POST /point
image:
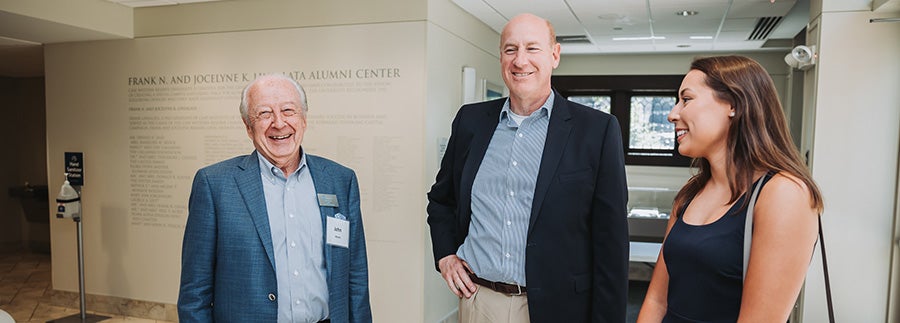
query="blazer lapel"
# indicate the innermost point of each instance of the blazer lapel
(481, 138)
(557, 136)
(322, 180)
(250, 185)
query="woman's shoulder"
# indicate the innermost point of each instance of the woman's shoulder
(786, 183)
(784, 190)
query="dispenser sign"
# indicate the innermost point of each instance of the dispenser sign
(75, 168)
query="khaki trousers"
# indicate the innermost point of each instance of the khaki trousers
(488, 306)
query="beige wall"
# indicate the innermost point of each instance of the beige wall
(856, 118)
(370, 124)
(237, 15)
(56, 20)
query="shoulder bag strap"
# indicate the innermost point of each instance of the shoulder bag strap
(748, 237)
(825, 271)
(748, 227)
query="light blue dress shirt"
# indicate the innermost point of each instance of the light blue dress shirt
(502, 195)
(296, 226)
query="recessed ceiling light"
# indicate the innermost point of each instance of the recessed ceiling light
(701, 37)
(639, 38)
(685, 13)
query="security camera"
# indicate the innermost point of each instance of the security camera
(801, 57)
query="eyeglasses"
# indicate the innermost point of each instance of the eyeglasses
(269, 115)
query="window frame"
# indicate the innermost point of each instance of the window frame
(621, 88)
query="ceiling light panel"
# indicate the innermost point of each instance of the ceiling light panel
(690, 24)
(598, 8)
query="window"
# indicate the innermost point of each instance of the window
(641, 104)
(598, 102)
(650, 127)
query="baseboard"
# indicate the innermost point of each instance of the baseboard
(115, 305)
(452, 317)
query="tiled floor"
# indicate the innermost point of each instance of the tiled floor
(24, 282)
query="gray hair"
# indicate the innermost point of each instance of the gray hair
(244, 104)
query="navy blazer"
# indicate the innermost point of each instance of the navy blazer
(576, 254)
(228, 268)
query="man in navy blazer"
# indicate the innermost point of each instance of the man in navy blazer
(276, 235)
(527, 212)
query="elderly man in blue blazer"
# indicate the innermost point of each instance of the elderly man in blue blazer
(274, 236)
(527, 212)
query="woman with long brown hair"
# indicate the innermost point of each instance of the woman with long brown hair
(729, 119)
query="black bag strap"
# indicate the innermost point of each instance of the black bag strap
(825, 271)
(748, 235)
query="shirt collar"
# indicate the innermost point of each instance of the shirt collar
(274, 172)
(547, 106)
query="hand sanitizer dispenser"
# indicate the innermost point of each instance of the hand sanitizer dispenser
(68, 203)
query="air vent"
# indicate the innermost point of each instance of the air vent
(573, 39)
(764, 27)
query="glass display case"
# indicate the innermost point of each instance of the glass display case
(648, 212)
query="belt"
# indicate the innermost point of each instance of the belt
(503, 288)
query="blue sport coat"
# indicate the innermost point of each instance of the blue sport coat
(228, 268)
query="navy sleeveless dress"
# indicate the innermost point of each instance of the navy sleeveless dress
(705, 266)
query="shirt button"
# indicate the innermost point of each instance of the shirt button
(289, 189)
(511, 193)
(515, 163)
(507, 255)
(508, 222)
(520, 135)
(296, 273)
(293, 244)
(297, 302)
(291, 215)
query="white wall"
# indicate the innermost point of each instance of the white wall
(454, 39)
(854, 158)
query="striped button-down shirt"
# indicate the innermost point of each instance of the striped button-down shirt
(296, 226)
(502, 195)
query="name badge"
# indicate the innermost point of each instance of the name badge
(328, 200)
(337, 231)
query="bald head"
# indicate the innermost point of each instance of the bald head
(528, 54)
(527, 18)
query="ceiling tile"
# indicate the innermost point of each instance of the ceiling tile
(602, 20)
(759, 8)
